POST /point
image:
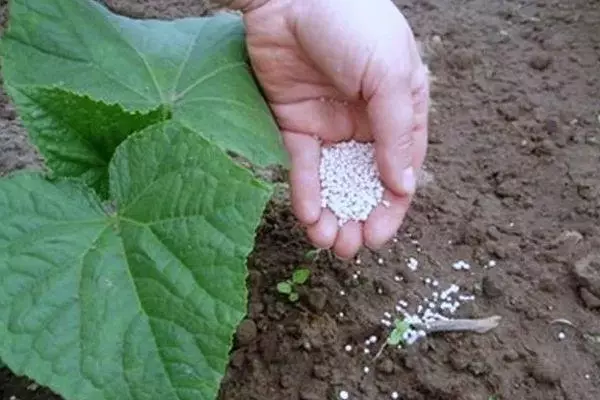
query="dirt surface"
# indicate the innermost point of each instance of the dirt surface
(514, 154)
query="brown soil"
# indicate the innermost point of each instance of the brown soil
(514, 153)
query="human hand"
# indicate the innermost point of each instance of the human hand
(334, 70)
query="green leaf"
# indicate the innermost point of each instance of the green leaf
(139, 303)
(300, 276)
(77, 135)
(193, 70)
(395, 337)
(294, 297)
(284, 287)
(312, 255)
(397, 334)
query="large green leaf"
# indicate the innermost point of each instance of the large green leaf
(193, 70)
(138, 300)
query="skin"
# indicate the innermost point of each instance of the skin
(334, 70)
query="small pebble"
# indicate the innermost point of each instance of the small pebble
(342, 293)
(387, 315)
(587, 376)
(373, 339)
(344, 395)
(355, 276)
(379, 290)
(397, 278)
(348, 348)
(358, 261)
(561, 335)
(395, 395)
(380, 261)
(367, 351)
(341, 314)
(366, 370)
(435, 283)
(492, 263)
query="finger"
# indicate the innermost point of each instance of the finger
(420, 99)
(383, 222)
(391, 114)
(304, 151)
(349, 240)
(324, 232)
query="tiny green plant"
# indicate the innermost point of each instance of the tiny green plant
(123, 264)
(312, 255)
(397, 334)
(288, 287)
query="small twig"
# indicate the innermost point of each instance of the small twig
(474, 325)
(482, 325)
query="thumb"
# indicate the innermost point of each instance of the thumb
(391, 113)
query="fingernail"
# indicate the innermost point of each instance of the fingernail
(409, 181)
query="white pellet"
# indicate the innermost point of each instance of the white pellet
(373, 339)
(387, 315)
(348, 348)
(367, 351)
(492, 263)
(350, 183)
(344, 395)
(397, 278)
(412, 264)
(561, 335)
(380, 261)
(395, 395)
(366, 370)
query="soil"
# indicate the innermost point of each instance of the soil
(514, 154)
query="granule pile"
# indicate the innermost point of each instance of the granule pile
(350, 184)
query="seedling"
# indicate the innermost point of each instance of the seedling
(312, 255)
(288, 287)
(397, 335)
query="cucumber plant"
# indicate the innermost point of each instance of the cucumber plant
(123, 265)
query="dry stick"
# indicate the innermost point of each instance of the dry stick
(481, 325)
(474, 325)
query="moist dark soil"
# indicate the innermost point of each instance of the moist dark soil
(513, 161)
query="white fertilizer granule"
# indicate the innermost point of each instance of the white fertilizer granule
(350, 184)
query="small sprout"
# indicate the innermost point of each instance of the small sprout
(300, 276)
(288, 287)
(397, 334)
(294, 297)
(312, 255)
(285, 288)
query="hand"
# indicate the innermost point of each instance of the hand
(334, 70)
